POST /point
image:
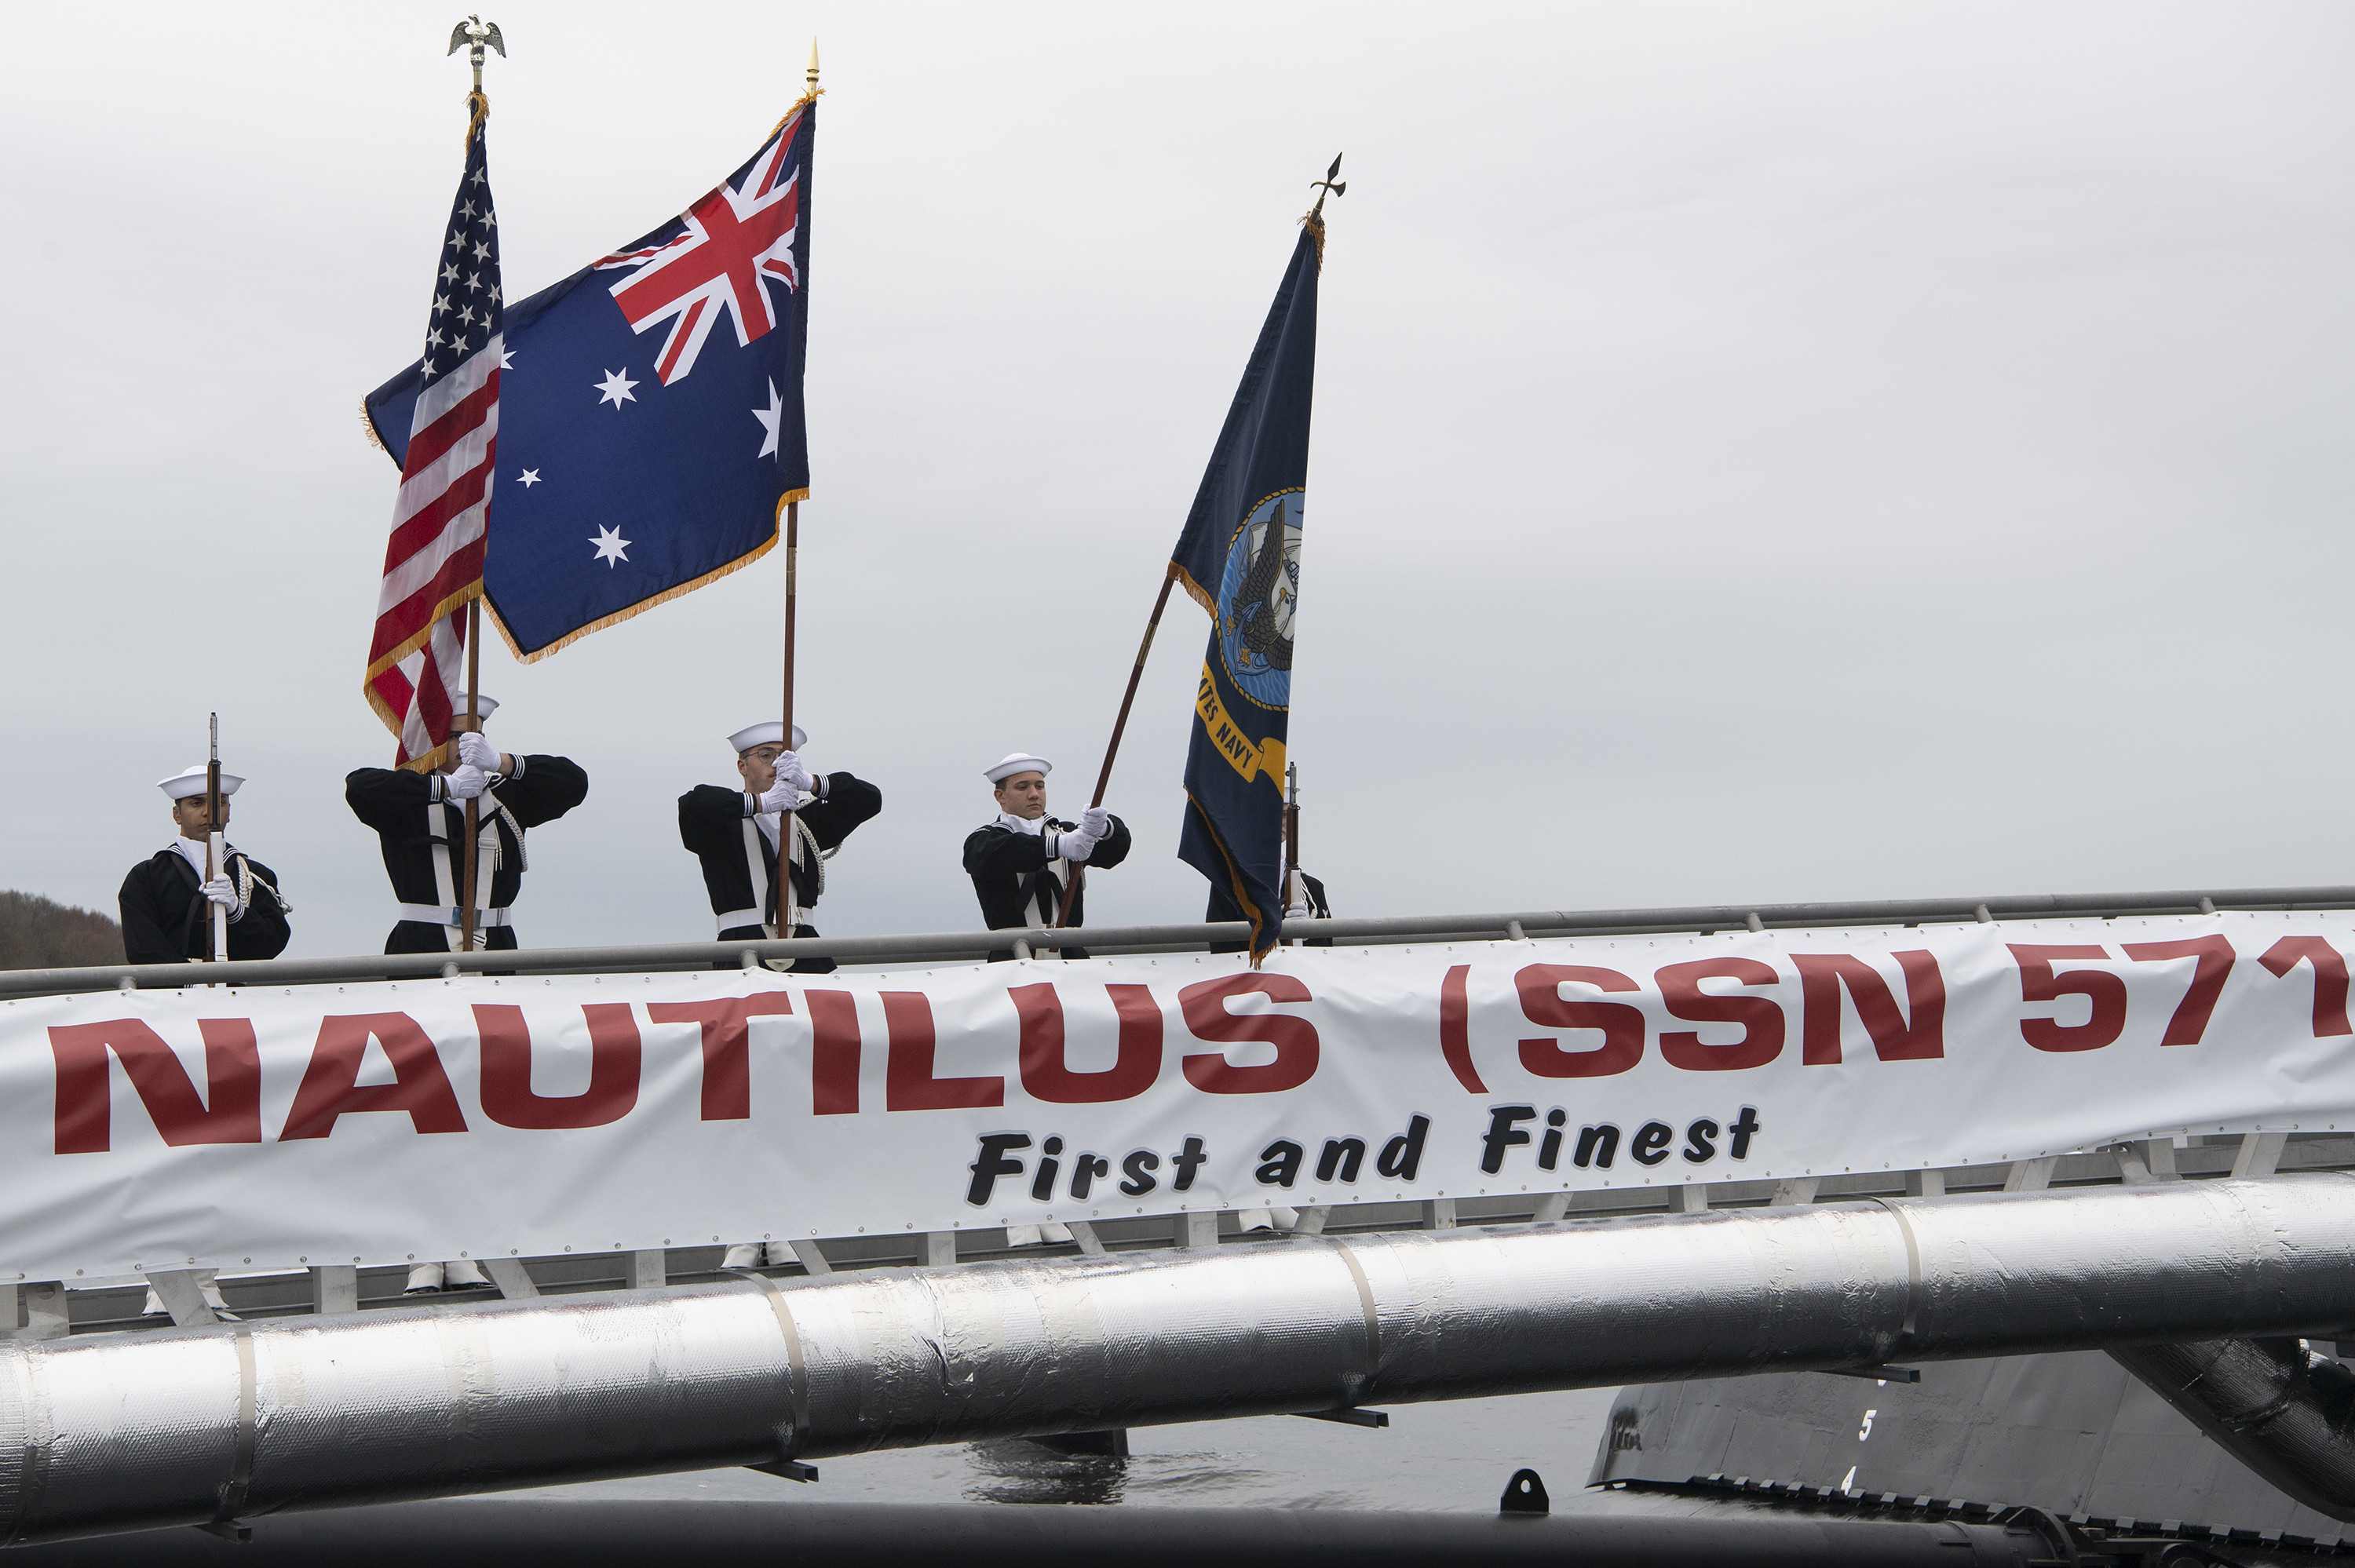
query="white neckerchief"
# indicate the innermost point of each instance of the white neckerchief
(1035, 826)
(193, 850)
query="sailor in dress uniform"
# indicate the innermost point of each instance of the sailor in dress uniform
(166, 906)
(734, 833)
(1019, 862)
(420, 820)
(165, 902)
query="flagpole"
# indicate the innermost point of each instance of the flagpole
(1111, 750)
(475, 803)
(786, 909)
(475, 34)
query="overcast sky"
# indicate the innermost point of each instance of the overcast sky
(1762, 452)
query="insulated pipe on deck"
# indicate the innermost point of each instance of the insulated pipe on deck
(2274, 1405)
(201, 1426)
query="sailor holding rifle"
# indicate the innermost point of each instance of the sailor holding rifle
(420, 820)
(735, 832)
(1020, 861)
(166, 900)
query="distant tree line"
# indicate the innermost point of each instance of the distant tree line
(38, 933)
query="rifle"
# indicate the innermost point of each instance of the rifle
(216, 844)
(1295, 892)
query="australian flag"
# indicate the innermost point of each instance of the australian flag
(650, 412)
(1240, 557)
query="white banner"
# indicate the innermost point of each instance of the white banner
(377, 1123)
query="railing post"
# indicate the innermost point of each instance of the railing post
(2030, 1175)
(335, 1287)
(181, 1290)
(2259, 1155)
(46, 1314)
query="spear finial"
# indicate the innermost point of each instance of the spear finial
(812, 68)
(1327, 186)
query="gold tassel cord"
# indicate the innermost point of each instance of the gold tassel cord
(1314, 225)
(478, 109)
(804, 102)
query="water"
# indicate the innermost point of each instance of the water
(1456, 1456)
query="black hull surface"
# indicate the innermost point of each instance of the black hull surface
(2074, 1435)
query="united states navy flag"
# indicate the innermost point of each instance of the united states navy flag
(650, 410)
(1240, 557)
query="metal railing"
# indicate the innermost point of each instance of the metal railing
(39, 1311)
(946, 947)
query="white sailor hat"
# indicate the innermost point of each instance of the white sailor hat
(1020, 762)
(180, 786)
(484, 707)
(768, 734)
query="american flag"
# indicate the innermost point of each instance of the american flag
(433, 561)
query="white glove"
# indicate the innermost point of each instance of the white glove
(791, 771)
(1076, 846)
(467, 782)
(223, 892)
(783, 796)
(1096, 822)
(476, 752)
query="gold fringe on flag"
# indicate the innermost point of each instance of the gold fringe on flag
(804, 102)
(570, 638)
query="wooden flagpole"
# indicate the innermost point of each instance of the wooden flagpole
(475, 35)
(474, 806)
(786, 909)
(1111, 750)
